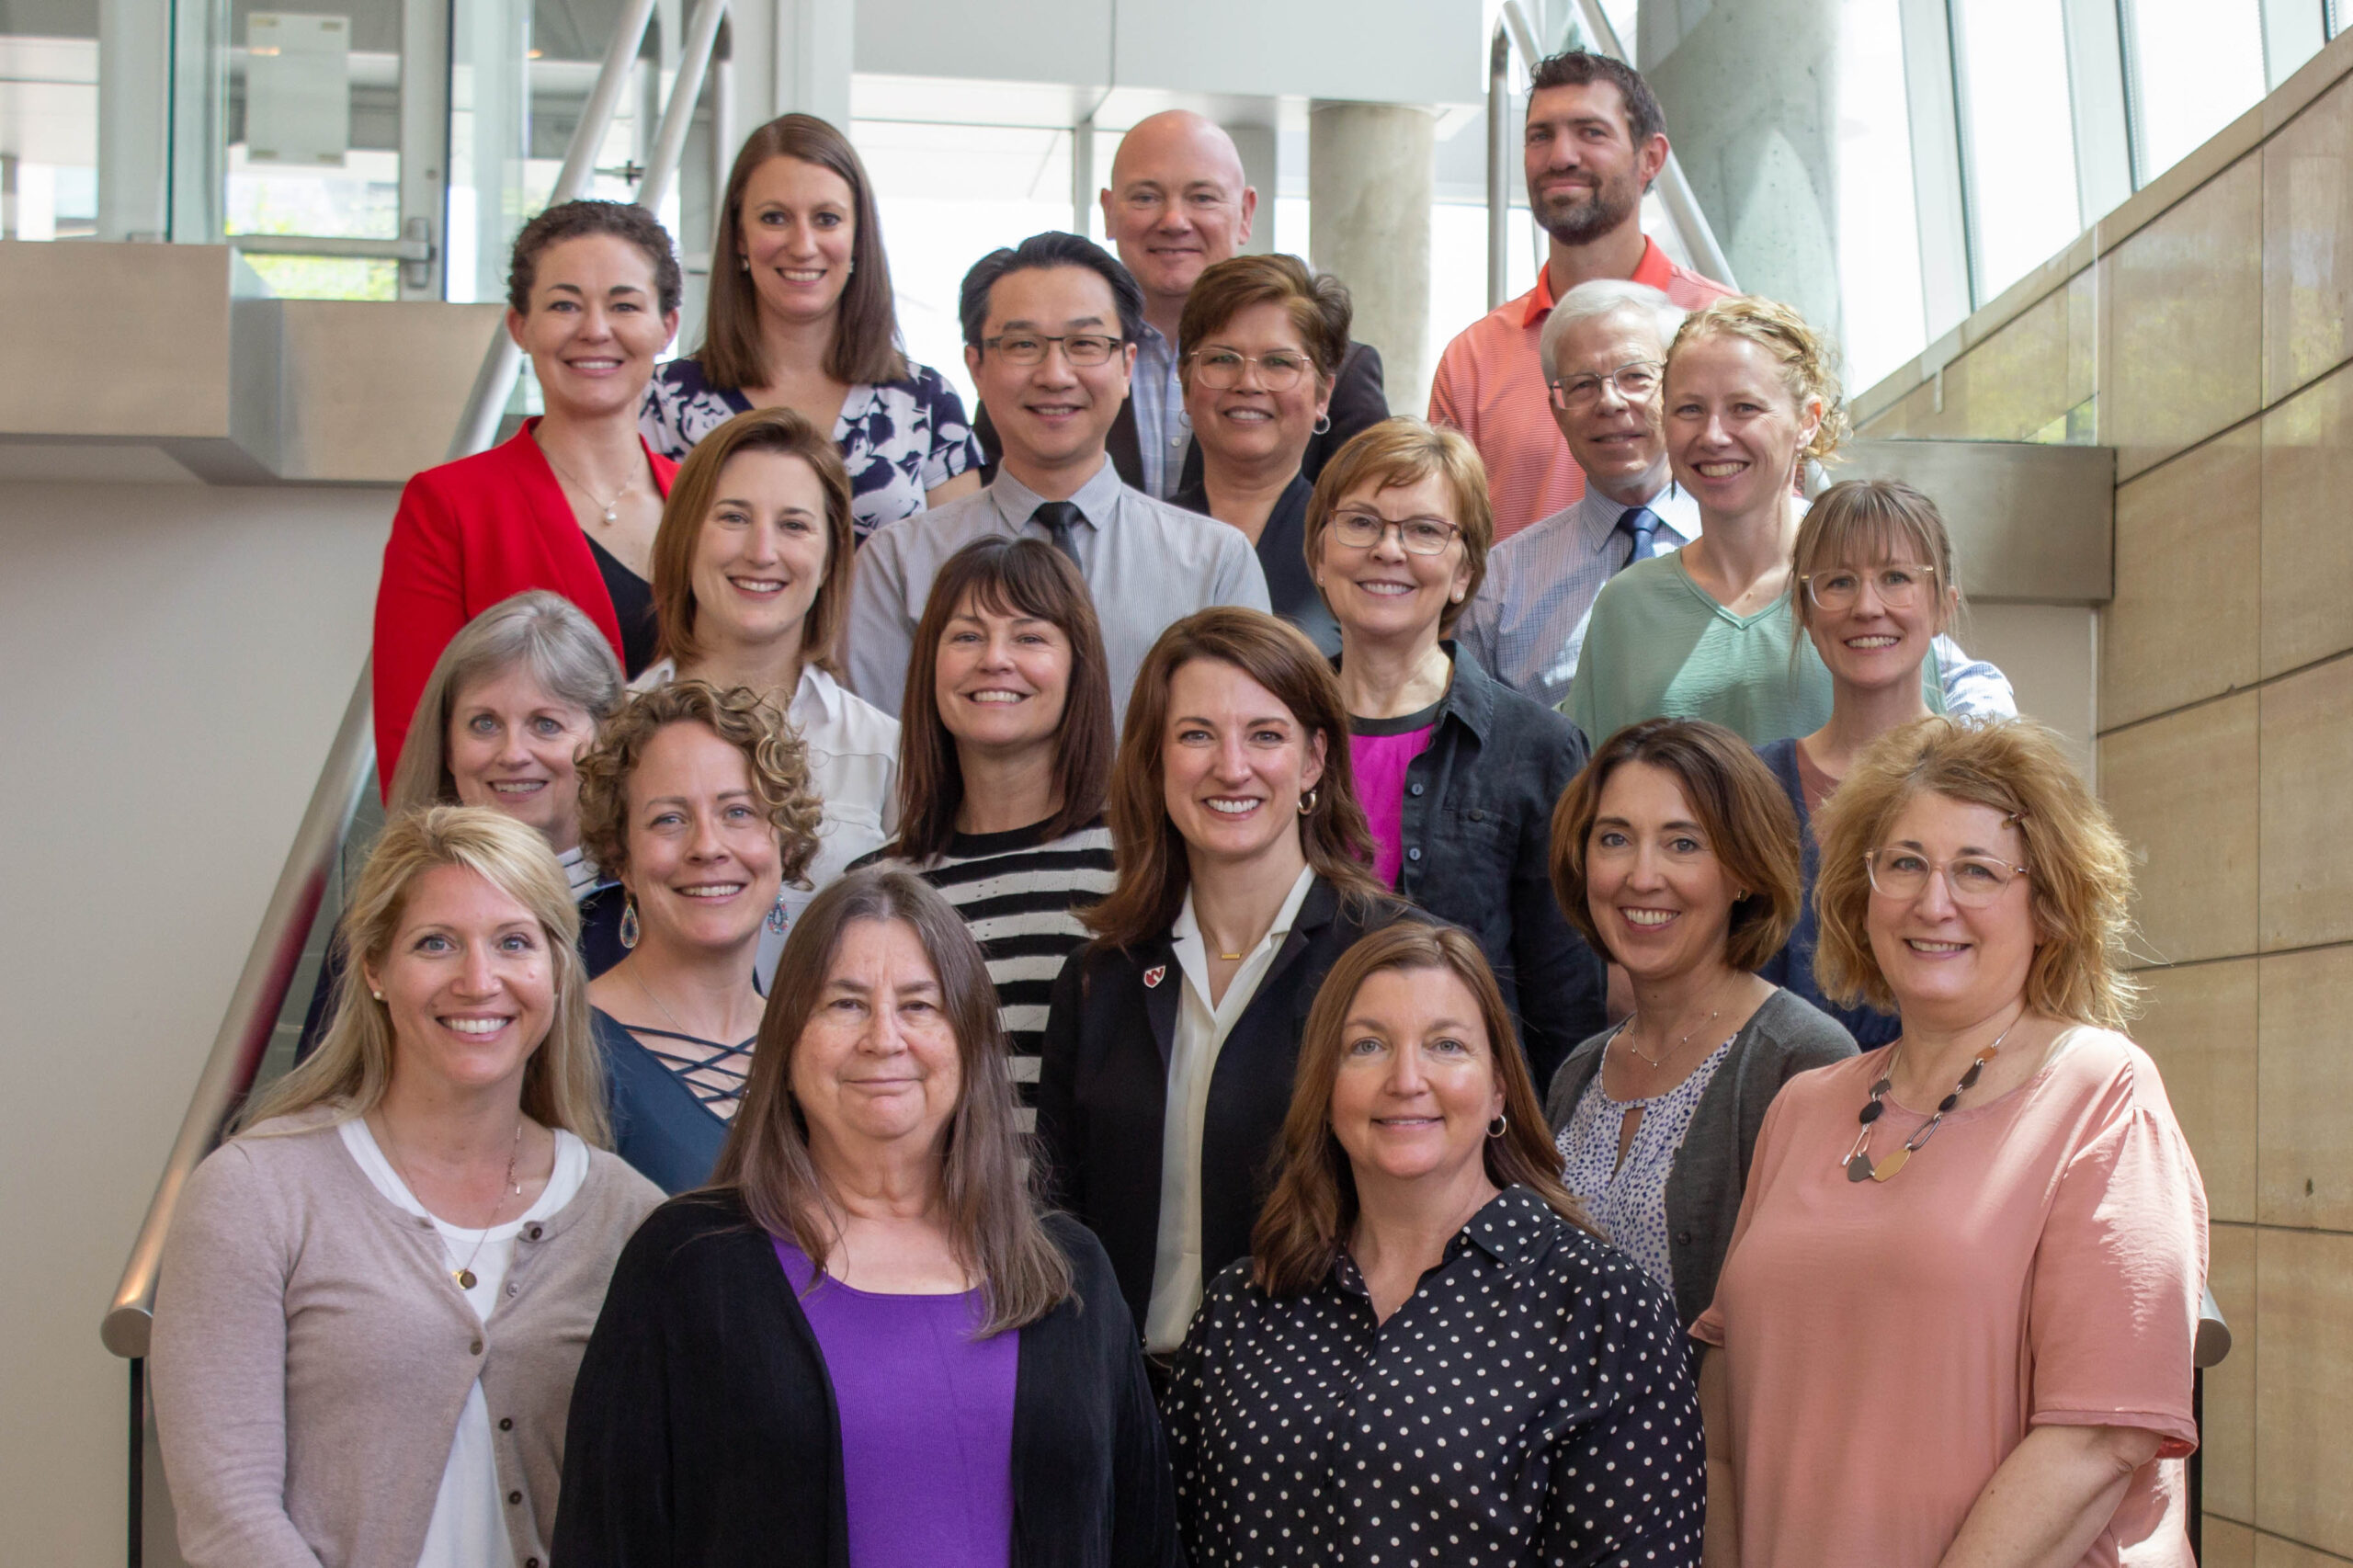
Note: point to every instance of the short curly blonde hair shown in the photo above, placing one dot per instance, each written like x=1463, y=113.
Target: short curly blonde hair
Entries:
x=740, y=717
x=1809, y=360
x=2079, y=871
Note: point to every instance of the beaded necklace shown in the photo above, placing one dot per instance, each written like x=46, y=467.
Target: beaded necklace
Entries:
x=1858, y=1160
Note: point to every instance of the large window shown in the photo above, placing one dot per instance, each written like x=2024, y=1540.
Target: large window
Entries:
x=1881, y=319
x=2195, y=66
x=2019, y=136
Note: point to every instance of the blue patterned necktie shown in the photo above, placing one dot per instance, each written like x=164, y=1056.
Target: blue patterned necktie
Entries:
x=1640, y=525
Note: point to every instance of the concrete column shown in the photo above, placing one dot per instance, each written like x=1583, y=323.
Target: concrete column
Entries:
x=1369, y=173
x=1256, y=145
x=814, y=42
x=1751, y=98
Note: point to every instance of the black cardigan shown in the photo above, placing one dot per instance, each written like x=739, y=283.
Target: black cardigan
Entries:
x=1103, y=1087
x=703, y=1429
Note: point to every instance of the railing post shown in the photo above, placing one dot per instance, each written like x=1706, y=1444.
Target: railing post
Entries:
x=136, y=1548
x=1498, y=160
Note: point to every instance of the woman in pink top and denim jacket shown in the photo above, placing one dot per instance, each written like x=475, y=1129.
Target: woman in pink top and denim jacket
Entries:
x=1955, y=1324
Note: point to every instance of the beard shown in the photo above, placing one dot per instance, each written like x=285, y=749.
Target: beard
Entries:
x=1581, y=217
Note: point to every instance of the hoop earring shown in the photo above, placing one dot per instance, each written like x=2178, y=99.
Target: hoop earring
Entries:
x=1323, y=425
x=629, y=922
x=777, y=917
x=1307, y=802
x=1498, y=1126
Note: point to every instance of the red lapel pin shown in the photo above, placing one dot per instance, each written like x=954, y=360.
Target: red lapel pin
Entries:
x=1155, y=975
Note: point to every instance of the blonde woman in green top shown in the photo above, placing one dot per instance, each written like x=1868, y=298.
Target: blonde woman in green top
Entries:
x=1706, y=632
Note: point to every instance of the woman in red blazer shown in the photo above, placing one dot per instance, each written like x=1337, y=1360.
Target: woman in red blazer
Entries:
x=572, y=502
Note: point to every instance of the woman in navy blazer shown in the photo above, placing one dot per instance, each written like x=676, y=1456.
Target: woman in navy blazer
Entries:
x=1171, y=1039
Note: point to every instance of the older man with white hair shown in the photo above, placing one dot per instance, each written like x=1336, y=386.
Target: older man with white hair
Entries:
x=1604, y=352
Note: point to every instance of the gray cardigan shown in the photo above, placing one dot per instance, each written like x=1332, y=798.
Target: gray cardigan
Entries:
x=1786, y=1036
x=311, y=1354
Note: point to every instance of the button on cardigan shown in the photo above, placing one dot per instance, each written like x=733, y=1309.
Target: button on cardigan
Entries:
x=311, y=1354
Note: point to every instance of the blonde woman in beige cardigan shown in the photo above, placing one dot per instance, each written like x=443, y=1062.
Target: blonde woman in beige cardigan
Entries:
x=375, y=1296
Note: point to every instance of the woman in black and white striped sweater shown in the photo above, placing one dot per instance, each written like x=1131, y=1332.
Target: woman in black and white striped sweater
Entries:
x=1005, y=755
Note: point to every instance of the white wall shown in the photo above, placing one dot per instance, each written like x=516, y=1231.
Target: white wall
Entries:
x=150, y=782
x=2052, y=654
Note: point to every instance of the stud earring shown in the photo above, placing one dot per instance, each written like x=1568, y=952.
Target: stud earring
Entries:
x=377, y=994
x=628, y=923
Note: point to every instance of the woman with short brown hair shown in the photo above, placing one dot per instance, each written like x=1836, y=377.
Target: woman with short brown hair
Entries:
x=1429, y=1357
x=2028, y=1283
x=1169, y=1044
x=1257, y=351
x=1674, y=854
x=865, y=1342
x=802, y=316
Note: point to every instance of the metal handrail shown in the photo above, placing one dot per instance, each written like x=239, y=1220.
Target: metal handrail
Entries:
x=253, y=1012
x=670, y=140
x=277, y=952
x=1513, y=31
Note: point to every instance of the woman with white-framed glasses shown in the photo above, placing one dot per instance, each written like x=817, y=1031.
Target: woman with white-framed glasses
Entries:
x=1875, y=587
x=1258, y=349
x=1997, y=1213
x=1458, y=773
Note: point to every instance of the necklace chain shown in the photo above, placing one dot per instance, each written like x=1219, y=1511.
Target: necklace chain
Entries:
x=1663, y=1057
x=610, y=508
x=1857, y=1162
x=464, y=1273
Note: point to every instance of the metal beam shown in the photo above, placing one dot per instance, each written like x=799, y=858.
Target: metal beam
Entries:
x=677, y=116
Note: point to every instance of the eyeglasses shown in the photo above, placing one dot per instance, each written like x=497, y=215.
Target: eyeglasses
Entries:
x=1973, y=880
x=1220, y=370
x=1899, y=587
x=1635, y=384
x=1422, y=535
x=1083, y=349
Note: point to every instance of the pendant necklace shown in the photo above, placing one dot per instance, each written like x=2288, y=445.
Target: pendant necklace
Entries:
x=464, y=1273
x=611, y=508
x=1858, y=1160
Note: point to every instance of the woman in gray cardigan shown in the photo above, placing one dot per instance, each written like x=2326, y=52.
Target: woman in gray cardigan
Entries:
x=374, y=1298
x=1675, y=853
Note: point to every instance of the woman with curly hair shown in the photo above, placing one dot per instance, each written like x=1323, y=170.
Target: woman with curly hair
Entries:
x=699, y=803
x=1974, y=1349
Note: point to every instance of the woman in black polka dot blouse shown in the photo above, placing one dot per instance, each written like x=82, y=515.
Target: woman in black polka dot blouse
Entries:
x=1429, y=1359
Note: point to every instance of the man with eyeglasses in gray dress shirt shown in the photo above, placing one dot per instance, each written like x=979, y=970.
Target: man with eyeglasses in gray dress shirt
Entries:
x=1050, y=333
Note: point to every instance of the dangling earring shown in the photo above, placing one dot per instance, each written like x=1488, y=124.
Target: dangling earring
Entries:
x=851, y=267
x=1307, y=802
x=629, y=922
x=1322, y=424
x=777, y=915
x=1498, y=1126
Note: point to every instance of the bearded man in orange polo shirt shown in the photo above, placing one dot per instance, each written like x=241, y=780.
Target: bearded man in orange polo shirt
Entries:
x=1595, y=138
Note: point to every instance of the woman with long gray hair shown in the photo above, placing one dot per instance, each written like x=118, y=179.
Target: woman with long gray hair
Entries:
x=410, y=1231
x=865, y=1342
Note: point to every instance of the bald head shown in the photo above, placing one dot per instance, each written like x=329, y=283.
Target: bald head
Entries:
x=1177, y=202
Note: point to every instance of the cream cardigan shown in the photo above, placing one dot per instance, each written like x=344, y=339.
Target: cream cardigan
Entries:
x=311, y=1354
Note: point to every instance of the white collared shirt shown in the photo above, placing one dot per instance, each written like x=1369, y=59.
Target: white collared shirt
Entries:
x=1201, y=1029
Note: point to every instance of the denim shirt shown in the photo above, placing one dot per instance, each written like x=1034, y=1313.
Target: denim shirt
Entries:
x=1477, y=837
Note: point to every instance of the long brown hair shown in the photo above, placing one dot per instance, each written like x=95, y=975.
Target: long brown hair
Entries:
x=779, y=430
x=1150, y=852
x=563, y=1083
x=990, y=1212
x=866, y=322
x=1009, y=577
x=1314, y=1206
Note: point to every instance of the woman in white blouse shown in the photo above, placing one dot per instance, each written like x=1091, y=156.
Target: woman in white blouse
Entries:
x=751, y=583
x=374, y=1298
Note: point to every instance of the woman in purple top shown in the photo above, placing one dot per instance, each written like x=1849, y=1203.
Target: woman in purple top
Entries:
x=864, y=1347
x=1457, y=772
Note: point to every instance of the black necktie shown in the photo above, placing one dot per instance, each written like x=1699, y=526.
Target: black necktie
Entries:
x=1639, y=524
x=1058, y=517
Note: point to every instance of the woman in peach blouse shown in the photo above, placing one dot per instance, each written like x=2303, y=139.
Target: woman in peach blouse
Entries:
x=1954, y=1327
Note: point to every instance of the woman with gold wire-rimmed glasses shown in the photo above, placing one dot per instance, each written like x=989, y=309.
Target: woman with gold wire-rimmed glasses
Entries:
x=1955, y=1324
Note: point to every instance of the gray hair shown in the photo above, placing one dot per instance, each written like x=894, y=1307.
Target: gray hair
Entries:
x=1605, y=296
x=545, y=632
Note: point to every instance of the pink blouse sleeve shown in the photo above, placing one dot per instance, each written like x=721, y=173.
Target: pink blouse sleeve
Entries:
x=2119, y=1271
